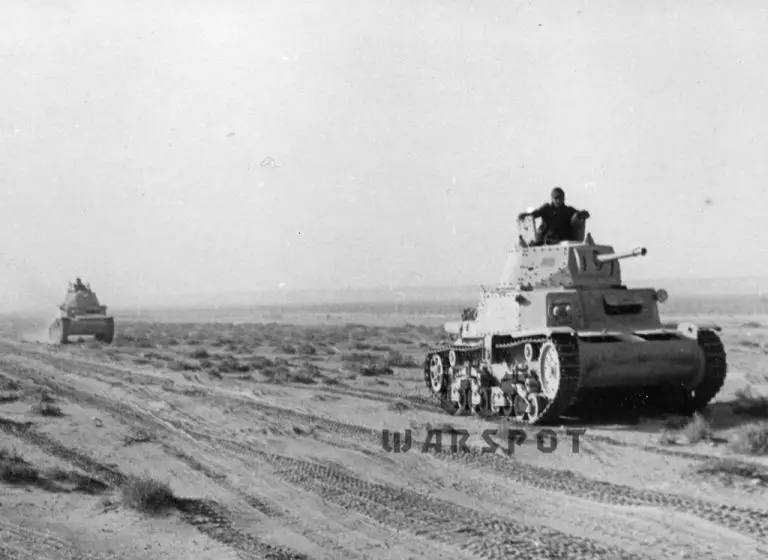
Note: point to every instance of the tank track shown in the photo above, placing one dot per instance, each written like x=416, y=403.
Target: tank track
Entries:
x=566, y=346
x=622, y=403
x=715, y=369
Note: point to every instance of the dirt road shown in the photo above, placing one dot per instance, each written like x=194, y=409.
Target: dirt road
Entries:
x=290, y=470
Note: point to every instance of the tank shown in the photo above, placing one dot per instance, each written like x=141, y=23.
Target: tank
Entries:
x=561, y=335
x=81, y=314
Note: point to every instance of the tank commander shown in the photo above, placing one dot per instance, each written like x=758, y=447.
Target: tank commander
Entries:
x=557, y=219
x=79, y=286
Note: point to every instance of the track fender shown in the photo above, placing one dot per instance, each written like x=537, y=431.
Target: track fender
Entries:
x=692, y=330
x=546, y=331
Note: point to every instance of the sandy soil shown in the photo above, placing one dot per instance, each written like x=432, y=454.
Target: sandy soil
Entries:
x=269, y=439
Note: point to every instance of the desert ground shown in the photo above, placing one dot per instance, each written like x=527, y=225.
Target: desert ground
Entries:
x=257, y=433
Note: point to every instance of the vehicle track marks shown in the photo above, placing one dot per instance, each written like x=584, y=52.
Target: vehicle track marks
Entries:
x=748, y=521
x=425, y=403
x=751, y=522
x=482, y=534
x=207, y=516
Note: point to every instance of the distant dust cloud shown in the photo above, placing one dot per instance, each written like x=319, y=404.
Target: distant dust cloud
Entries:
x=27, y=305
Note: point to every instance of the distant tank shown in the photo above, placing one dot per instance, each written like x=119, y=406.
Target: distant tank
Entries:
x=561, y=335
x=81, y=314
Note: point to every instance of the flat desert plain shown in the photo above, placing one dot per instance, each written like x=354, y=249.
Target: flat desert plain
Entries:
x=257, y=433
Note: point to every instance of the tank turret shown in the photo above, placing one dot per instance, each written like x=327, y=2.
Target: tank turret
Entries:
x=561, y=330
x=568, y=264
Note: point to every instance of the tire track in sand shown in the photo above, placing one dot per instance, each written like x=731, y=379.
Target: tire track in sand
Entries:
x=207, y=516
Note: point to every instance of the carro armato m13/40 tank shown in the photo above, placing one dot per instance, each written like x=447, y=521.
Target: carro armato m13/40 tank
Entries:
x=560, y=334
x=81, y=314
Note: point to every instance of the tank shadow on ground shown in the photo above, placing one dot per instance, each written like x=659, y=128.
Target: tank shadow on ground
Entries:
x=719, y=416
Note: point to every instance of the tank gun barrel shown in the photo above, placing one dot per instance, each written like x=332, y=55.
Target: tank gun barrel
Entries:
x=607, y=257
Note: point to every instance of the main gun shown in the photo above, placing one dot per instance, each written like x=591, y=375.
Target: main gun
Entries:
x=607, y=257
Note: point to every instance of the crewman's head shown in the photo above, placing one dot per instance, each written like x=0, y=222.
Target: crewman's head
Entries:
x=558, y=197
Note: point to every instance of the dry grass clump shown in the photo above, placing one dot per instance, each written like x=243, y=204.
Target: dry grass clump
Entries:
x=751, y=439
x=693, y=430
x=47, y=406
x=7, y=397
x=698, y=429
x=728, y=471
x=15, y=470
x=146, y=494
x=10, y=390
x=397, y=359
x=399, y=405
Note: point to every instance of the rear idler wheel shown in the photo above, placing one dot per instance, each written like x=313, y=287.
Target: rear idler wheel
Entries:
x=715, y=370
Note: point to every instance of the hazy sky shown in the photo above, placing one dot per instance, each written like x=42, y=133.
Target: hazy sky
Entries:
x=406, y=137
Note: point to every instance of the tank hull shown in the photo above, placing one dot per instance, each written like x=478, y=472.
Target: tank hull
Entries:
x=538, y=376
x=101, y=327
x=640, y=364
x=91, y=325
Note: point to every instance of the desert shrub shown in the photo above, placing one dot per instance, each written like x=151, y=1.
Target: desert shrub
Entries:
x=307, y=349
x=278, y=371
x=183, y=365
x=260, y=362
x=376, y=370
x=751, y=439
x=8, y=384
x=7, y=397
x=728, y=470
x=47, y=406
x=14, y=469
x=361, y=358
x=304, y=378
x=399, y=340
x=136, y=341
x=146, y=494
x=230, y=364
x=397, y=359
x=199, y=353
x=698, y=429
